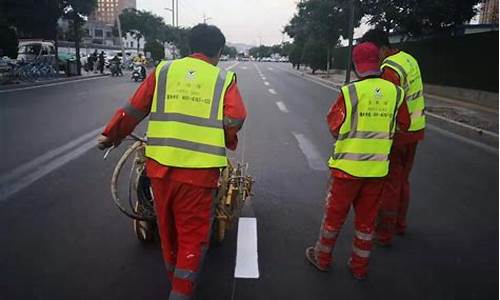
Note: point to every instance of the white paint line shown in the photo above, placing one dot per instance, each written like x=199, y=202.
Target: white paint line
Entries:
x=263, y=78
x=305, y=77
x=247, y=258
x=266, y=83
x=282, y=107
x=270, y=69
x=232, y=66
x=272, y=91
x=244, y=67
x=486, y=132
x=463, y=139
x=26, y=174
x=313, y=156
x=48, y=85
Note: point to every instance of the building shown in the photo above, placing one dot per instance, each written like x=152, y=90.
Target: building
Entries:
x=108, y=10
x=489, y=12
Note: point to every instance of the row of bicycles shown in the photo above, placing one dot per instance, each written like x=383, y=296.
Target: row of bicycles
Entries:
x=13, y=70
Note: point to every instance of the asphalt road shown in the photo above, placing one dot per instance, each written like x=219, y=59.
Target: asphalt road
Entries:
x=62, y=238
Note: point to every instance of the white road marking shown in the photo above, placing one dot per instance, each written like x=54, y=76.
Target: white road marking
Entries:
x=263, y=78
x=247, y=258
x=282, y=106
x=244, y=68
x=270, y=69
x=272, y=91
x=314, y=158
x=232, y=66
x=266, y=83
x=24, y=175
x=48, y=85
x=485, y=147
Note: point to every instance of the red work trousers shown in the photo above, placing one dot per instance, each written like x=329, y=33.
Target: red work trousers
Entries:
x=363, y=195
x=184, y=215
x=395, y=196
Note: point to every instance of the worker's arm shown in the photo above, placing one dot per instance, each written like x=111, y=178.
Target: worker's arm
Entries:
x=391, y=75
x=336, y=116
x=126, y=118
x=403, y=118
x=234, y=115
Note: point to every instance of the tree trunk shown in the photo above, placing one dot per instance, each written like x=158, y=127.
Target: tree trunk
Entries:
x=76, y=25
x=328, y=53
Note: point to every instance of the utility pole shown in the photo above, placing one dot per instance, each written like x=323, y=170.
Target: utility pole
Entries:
x=177, y=12
x=118, y=23
x=349, y=54
x=205, y=18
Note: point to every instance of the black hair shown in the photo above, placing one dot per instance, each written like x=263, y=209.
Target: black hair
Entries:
x=376, y=36
x=207, y=39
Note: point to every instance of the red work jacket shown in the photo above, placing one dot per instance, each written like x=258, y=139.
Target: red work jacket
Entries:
x=122, y=124
x=336, y=117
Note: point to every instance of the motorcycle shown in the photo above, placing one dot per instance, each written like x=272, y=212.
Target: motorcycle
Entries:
x=116, y=69
x=138, y=73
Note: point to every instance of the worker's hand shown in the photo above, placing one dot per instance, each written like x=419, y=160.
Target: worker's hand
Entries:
x=103, y=142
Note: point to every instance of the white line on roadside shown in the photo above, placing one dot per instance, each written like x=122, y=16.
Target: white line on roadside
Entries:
x=270, y=69
x=486, y=132
x=272, y=91
x=232, y=66
x=48, y=85
x=282, y=107
x=247, y=257
x=264, y=78
x=266, y=83
x=24, y=175
x=485, y=147
x=244, y=68
x=314, y=158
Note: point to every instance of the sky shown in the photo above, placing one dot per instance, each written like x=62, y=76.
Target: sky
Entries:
x=251, y=22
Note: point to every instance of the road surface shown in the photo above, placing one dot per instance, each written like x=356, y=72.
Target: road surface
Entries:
x=62, y=238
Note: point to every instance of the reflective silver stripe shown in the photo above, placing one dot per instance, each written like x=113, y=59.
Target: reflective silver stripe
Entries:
x=187, y=145
x=323, y=248
x=360, y=253
x=414, y=96
x=396, y=107
x=218, y=93
x=162, y=88
x=176, y=117
x=169, y=267
x=134, y=112
x=361, y=156
x=365, y=135
x=329, y=234
x=185, y=274
x=399, y=68
x=363, y=236
x=178, y=296
x=353, y=95
x=230, y=122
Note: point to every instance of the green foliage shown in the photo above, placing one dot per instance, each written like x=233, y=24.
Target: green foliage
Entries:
x=156, y=49
x=266, y=51
x=419, y=17
x=315, y=54
x=230, y=51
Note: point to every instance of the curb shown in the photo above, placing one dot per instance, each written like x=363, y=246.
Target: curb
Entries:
x=50, y=81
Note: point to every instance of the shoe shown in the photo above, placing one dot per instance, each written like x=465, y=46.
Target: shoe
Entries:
x=312, y=259
x=356, y=276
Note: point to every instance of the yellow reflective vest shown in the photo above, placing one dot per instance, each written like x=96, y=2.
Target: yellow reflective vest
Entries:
x=365, y=138
x=185, y=126
x=411, y=81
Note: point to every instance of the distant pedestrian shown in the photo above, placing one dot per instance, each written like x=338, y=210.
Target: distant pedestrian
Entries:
x=94, y=61
x=101, y=62
x=363, y=120
x=403, y=70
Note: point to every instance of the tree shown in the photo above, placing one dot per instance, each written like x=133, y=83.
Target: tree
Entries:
x=142, y=24
x=77, y=12
x=315, y=52
x=416, y=18
x=156, y=49
x=230, y=51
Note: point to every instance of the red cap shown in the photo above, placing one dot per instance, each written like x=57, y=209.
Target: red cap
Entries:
x=366, y=59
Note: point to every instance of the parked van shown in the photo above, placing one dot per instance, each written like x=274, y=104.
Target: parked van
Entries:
x=30, y=50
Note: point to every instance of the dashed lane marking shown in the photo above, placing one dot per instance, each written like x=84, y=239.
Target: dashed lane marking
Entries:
x=282, y=106
x=266, y=83
x=314, y=158
x=272, y=91
x=232, y=66
x=247, y=257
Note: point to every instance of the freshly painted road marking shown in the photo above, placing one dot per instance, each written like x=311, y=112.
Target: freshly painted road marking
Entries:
x=24, y=175
x=247, y=257
x=232, y=66
x=264, y=78
x=314, y=158
x=266, y=83
x=272, y=91
x=282, y=106
x=48, y=85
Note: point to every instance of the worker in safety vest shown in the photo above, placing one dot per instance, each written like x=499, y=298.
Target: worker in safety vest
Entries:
x=401, y=69
x=364, y=120
x=195, y=111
